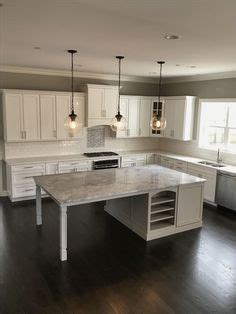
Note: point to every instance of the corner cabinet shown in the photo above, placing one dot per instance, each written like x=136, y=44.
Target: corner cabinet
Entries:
x=102, y=104
x=37, y=115
x=179, y=114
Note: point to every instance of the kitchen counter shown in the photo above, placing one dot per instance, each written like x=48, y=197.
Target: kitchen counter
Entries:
x=85, y=186
x=162, y=203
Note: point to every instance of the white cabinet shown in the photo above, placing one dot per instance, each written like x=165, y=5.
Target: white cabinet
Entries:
x=20, y=182
x=21, y=117
x=35, y=116
x=144, y=117
x=167, y=162
x=12, y=108
x=31, y=119
x=210, y=176
x=179, y=114
x=48, y=117
x=189, y=204
x=137, y=112
x=51, y=168
x=101, y=104
x=133, y=117
x=180, y=166
x=133, y=161
x=74, y=166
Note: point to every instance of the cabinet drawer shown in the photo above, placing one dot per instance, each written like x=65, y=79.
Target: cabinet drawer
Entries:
x=22, y=191
x=51, y=168
x=25, y=177
x=180, y=166
x=134, y=158
x=29, y=167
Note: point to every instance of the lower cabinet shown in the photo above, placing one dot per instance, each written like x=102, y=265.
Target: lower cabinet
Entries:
x=160, y=213
x=20, y=182
x=210, y=176
x=133, y=161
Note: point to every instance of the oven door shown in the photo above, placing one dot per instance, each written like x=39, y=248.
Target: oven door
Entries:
x=105, y=164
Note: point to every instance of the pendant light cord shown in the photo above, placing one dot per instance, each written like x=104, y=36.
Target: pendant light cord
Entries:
x=119, y=86
x=72, y=82
x=160, y=81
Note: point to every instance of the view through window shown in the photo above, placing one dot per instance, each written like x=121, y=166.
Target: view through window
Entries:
x=218, y=124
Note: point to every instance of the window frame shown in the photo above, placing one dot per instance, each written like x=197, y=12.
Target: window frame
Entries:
x=227, y=128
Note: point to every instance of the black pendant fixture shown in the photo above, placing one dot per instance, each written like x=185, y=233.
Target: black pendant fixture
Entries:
x=119, y=122
x=158, y=122
x=72, y=123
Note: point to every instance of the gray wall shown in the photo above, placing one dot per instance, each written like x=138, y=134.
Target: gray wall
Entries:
x=60, y=83
x=219, y=88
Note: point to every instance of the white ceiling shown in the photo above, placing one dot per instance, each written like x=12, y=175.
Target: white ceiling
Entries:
x=102, y=29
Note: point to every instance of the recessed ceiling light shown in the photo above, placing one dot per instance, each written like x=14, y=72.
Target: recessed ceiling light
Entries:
x=1, y=4
x=37, y=48
x=177, y=65
x=168, y=37
x=191, y=66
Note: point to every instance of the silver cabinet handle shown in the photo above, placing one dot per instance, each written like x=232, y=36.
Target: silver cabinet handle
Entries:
x=28, y=167
x=28, y=190
x=27, y=177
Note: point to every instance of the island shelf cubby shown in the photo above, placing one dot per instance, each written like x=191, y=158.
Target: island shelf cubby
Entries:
x=162, y=211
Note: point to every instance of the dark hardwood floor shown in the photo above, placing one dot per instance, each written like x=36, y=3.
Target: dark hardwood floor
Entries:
x=110, y=269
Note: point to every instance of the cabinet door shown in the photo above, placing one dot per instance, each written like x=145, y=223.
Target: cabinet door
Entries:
x=170, y=118
x=31, y=125
x=51, y=168
x=124, y=103
x=144, y=117
x=13, y=117
x=79, y=104
x=110, y=102
x=48, y=117
x=133, y=128
x=189, y=205
x=96, y=107
x=62, y=111
x=178, y=123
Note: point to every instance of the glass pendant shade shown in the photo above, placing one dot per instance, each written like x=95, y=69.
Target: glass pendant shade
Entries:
x=158, y=123
x=72, y=124
x=118, y=123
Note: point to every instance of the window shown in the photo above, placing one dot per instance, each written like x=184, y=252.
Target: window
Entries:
x=217, y=126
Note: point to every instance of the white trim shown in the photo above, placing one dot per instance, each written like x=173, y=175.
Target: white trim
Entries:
x=89, y=75
x=200, y=77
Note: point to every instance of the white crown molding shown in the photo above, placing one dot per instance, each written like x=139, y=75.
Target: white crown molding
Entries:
x=200, y=77
x=89, y=75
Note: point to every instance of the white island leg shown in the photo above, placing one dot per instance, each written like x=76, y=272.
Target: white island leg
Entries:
x=38, y=206
x=63, y=232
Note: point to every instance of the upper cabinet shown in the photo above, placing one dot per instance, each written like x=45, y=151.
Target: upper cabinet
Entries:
x=101, y=104
x=21, y=117
x=34, y=116
x=179, y=114
x=137, y=111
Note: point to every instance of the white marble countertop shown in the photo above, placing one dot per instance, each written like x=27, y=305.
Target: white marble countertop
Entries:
x=85, y=187
x=73, y=157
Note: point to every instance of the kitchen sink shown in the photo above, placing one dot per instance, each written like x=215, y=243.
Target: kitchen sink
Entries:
x=217, y=165
x=208, y=163
x=212, y=164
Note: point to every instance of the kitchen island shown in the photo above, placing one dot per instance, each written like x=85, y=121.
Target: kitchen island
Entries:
x=153, y=201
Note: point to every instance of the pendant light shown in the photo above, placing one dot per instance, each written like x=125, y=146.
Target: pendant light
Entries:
x=158, y=122
x=72, y=123
x=119, y=122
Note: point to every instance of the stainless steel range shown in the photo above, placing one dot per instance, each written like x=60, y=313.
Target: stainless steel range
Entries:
x=106, y=160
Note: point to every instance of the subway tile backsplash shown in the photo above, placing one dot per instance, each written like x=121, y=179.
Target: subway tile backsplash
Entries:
x=94, y=139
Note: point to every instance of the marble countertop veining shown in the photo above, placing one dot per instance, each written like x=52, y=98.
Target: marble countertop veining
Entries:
x=84, y=187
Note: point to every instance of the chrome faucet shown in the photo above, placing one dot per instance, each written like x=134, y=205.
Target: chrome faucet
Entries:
x=219, y=156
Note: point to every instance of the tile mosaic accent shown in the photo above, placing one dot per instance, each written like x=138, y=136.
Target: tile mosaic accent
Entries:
x=96, y=137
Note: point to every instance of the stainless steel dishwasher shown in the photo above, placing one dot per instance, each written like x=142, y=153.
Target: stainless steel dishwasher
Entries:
x=226, y=189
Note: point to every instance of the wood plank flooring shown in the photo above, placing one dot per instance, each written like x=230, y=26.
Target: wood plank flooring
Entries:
x=110, y=269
